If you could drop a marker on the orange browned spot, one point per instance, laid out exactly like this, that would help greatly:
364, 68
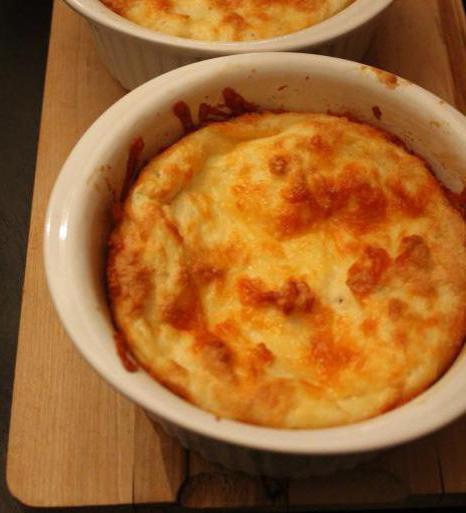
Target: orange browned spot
297, 191
235, 20
369, 326
163, 5
183, 310
292, 220
365, 274
411, 204
228, 4
367, 206
349, 199
400, 337
354, 200
259, 359
293, 296
217, 355
278, 164
432, 321
179, 313
300, 211
413, 263
252, 292
396, 308
263, 16
263, 354
330, 356
321, 148
206, 273
227, 329
319, 145
413, 251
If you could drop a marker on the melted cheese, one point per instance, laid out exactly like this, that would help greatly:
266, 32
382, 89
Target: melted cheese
226, 20
290, 270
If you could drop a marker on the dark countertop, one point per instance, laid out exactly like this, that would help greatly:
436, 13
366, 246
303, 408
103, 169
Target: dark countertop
24, 32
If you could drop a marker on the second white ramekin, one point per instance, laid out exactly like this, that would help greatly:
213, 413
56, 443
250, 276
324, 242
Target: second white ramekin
134, 54
78, 222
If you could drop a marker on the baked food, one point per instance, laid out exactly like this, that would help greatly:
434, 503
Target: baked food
292, 270
226, 20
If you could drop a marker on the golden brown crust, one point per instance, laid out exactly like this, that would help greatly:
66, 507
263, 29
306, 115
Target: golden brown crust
227, 20
290, 270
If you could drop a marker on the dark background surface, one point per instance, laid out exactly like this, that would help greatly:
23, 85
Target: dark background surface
24, 29
24, 32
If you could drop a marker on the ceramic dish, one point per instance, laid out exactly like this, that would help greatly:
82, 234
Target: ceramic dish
134, 54
78, 223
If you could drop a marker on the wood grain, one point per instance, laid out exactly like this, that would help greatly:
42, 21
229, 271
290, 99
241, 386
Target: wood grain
159, 463
395, 476
75, 442
210, 485
453, 30
451, 450
409, 43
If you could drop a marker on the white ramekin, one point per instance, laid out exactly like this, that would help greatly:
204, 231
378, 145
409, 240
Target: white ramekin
134, 54
78, 221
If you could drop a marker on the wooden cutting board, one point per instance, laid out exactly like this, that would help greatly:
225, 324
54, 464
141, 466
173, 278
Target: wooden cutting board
74, 441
